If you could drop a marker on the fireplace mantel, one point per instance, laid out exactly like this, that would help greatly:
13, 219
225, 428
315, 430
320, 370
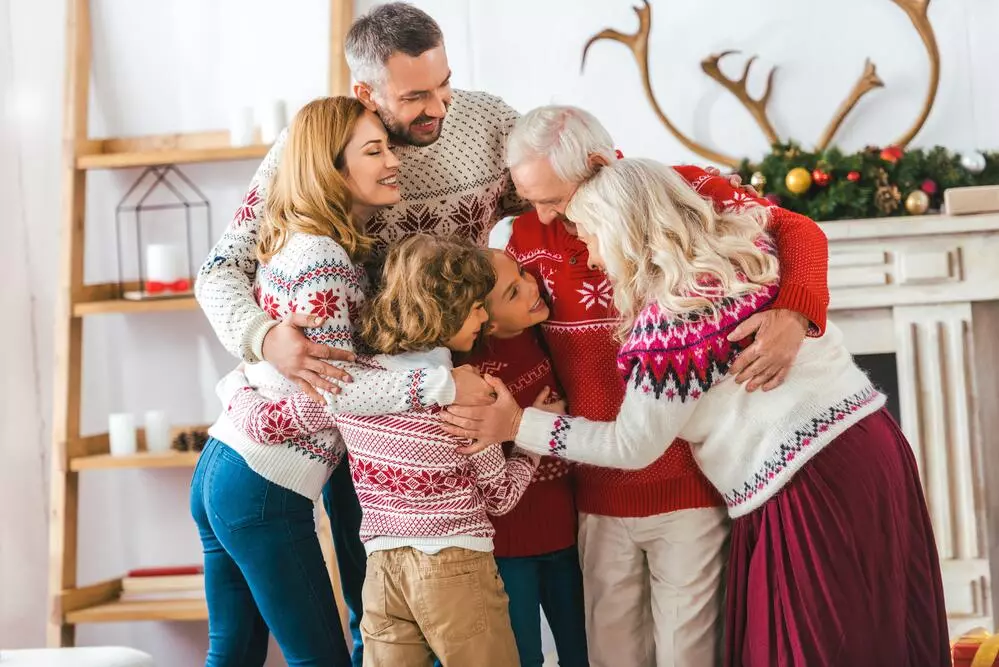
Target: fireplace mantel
926, 289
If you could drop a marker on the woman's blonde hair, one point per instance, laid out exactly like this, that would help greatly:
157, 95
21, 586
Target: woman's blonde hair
309, 193
662, 242
429, 286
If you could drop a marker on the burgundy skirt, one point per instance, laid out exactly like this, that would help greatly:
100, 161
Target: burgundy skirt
840, 567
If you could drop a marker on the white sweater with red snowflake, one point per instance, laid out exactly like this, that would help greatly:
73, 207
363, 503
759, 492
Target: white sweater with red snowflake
459, 185
414, 488
749, 445
314, 274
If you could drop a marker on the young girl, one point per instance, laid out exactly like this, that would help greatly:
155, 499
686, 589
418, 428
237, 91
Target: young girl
431, 586
833, 560
253, 502
535, 543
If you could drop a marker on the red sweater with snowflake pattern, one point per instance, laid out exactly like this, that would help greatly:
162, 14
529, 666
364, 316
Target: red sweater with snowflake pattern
544, 520
580, 336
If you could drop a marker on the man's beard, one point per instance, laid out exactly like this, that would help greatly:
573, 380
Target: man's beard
401, 134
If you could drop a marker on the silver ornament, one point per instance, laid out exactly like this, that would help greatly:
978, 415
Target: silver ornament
974, 162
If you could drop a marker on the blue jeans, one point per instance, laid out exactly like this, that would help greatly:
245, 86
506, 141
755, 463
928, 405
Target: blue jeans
345, 523
264, 569
552, 582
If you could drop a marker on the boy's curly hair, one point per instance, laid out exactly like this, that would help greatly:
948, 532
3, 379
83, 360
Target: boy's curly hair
429, 286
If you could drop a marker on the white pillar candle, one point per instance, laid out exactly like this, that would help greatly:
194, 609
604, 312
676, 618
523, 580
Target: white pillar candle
241, 127
121, 434
157, 431
273, 119
164, 263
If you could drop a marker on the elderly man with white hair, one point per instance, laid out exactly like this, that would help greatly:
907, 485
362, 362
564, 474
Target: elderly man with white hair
652, 541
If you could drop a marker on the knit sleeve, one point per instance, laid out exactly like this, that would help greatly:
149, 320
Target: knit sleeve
224, 287
502, 480
271, 422
669, 366
804, 266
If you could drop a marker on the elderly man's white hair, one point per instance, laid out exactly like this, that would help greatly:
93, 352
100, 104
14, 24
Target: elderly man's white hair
564, 135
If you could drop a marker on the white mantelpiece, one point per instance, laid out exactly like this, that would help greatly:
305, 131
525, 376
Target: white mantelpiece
927, 290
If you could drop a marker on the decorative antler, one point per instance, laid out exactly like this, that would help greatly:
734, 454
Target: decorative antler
917, 12
757, 108
868, 81
638, 44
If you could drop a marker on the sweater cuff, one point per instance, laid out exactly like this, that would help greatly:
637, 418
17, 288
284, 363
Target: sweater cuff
438, 387
253, 340
537, 433
805, 302
487, 463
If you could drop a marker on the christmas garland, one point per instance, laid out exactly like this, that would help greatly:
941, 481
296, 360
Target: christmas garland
873, 183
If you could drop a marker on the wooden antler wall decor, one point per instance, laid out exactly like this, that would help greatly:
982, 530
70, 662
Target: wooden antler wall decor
638, 44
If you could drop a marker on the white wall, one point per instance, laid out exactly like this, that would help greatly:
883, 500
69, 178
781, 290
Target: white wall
180, 66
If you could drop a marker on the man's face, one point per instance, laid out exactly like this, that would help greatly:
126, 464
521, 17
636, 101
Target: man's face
538, 183
413, 97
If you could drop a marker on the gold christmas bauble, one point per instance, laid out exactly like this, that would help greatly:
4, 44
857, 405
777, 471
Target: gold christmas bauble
917, 202
758, 181
798, 180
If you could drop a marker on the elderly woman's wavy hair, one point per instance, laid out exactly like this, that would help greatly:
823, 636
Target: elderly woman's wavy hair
662, 242
429, 286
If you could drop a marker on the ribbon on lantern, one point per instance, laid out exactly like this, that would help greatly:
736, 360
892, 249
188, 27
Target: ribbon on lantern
157, 286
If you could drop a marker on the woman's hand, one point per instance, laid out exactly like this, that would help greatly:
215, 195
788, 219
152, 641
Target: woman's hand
766, 361
300, 360
470, 390
498, 422
734, 179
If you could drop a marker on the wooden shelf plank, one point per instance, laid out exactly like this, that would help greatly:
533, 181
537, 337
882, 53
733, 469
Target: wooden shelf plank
151, 158
83, 308
141, 610
140, 460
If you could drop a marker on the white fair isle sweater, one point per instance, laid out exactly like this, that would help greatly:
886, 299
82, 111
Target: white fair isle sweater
314, 274
458, 185
749, 445
414, 488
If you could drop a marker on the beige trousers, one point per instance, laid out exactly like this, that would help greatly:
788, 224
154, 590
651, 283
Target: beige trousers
653, 588
451, 604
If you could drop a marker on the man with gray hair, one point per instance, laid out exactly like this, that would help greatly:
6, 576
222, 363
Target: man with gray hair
452, 181
651, 541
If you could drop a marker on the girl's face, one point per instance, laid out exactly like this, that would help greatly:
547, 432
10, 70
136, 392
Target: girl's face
596, 261
371, 168
515, 303
464, 340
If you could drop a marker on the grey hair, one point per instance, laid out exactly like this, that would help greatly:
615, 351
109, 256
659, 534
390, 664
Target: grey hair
395, 27
564, 135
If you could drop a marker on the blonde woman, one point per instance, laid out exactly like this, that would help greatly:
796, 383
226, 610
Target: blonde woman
252, 499
832, 555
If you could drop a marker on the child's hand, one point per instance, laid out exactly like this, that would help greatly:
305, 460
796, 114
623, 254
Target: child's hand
549, 402
470, 389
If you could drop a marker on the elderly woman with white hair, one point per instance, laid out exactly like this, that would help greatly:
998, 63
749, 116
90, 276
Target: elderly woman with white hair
832, 554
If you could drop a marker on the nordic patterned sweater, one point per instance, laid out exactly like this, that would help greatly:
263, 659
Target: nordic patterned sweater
314, 274
749, 445
413, 487
458, 186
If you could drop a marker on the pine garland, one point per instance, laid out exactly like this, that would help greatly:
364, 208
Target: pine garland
880, 181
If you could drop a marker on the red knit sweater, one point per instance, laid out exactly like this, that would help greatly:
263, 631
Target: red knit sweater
580, 335
545, 518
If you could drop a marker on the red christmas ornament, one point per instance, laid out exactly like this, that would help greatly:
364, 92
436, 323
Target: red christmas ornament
929, 186
892, 154
853, 176
820, 178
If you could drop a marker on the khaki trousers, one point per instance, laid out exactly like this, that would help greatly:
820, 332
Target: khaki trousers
451, 604
653, 588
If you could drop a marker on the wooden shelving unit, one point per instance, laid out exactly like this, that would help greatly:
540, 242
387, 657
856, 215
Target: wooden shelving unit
71, 603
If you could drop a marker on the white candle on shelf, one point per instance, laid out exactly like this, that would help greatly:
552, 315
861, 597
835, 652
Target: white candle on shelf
121, 434
273, 119
157, 431
164, 263
241, 127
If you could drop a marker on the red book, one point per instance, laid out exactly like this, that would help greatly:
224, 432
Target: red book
168, 571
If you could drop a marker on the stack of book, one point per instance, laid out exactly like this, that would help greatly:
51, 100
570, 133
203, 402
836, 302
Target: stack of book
164, 583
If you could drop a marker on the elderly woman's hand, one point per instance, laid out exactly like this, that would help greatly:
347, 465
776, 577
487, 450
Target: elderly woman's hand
778, 335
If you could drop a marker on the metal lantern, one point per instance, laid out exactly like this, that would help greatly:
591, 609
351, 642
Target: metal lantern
165, 270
